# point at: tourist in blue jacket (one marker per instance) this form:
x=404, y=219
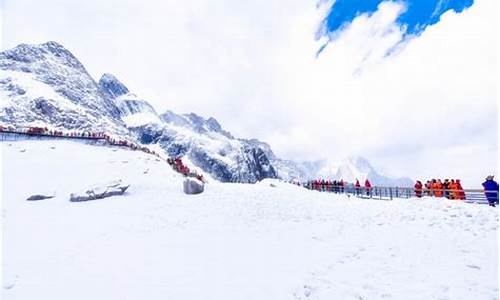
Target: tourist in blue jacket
x=491, y=190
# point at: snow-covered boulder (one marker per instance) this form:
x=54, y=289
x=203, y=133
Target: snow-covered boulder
x=102, y=191
x=193, y=186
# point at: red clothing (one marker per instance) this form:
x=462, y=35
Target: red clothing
x=418, y=189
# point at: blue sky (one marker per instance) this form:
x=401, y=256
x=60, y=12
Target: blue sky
x=417, y=15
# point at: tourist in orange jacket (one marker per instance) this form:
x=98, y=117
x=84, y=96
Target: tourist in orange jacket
x=453, y=189
x=438, y=188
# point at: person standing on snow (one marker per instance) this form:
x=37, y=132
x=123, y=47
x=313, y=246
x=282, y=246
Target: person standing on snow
x=446, y=187
x=418, y=189
x=433, y=186
x=438, y=192
x=453, y=189
x=368, y=187
x=491, y=190
x=357, y=186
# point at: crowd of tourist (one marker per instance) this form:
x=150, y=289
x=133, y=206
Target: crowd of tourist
x=450, y=189
x=338, y=186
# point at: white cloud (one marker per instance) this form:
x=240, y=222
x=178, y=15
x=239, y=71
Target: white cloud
x=252, y=65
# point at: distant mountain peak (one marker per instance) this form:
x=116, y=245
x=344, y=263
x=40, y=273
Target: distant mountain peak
x=358, y=162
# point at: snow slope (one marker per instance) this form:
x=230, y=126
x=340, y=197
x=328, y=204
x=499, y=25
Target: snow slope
x=234, y=241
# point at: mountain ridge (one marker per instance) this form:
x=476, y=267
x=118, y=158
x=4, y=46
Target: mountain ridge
x=47, y=84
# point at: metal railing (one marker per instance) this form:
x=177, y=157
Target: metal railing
x=389, y=193
x=6, y=136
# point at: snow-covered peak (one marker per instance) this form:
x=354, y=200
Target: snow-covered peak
x=25, y=55
x=112, y=86
x=213, y=124
x=133, y=110
x=196, y=123
x=47, y=84
x=357, y=162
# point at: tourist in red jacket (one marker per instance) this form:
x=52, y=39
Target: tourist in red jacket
x=357, y=186
x=368, y=187
x=418, y=189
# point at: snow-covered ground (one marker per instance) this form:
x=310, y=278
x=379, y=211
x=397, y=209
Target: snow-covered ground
x=233, y=241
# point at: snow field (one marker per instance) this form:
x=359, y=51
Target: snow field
x=234, y=241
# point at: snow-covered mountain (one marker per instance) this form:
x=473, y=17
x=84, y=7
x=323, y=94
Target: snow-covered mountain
x=208, y=146
x=349, y=169
x=46, y=85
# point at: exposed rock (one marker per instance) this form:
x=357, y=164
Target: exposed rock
x=99, y=192
x=39, y=197
x=193, y=186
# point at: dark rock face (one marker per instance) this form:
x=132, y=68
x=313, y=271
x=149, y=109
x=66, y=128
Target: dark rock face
x=44, y=106
x=112, y=86
x=259, y=163
x=209, y=148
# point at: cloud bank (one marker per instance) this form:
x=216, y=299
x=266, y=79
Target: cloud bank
x=412, y=21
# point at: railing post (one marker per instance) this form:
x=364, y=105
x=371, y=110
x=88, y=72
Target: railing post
x=390, y=192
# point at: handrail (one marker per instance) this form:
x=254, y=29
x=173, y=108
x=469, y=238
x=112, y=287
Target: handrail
x=389, y=193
